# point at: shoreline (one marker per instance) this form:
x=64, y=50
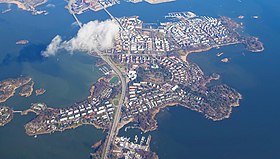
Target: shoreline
x=71, y=127
x=29, y=93
x=14, y=88
x=174, y=104
x=19, y=4
x=10, y=118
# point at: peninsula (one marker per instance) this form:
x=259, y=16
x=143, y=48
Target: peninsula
x=153, y=73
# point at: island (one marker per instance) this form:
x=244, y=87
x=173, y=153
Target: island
x=28, y=5
x=255, y=17
x=6, y=115
x=9, y=86
x=219, y=54
x=22, y=42
x=150, y=71
x=27, y=90
x=40, y=91
x=225, y=60
x=241, y=17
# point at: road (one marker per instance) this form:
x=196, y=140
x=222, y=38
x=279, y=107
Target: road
x=113, y=130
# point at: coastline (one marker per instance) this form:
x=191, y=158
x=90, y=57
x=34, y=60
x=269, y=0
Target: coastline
x=10, y=113
x=15, y=87
x=159, y=1
x=29, y=93
x=19, y=4
x=173, y=104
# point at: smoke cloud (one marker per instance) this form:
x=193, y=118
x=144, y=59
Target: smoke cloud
x=53, y=47
x=91, y=37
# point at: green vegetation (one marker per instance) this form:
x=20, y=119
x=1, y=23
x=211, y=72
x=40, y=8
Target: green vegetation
x=114, y=80
x=116, y=99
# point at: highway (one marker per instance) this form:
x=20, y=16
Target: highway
x=113, y=130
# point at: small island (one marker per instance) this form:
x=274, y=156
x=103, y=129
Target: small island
x=40, y=91
x=225, y=60
x=22, y=42
x=255, y=17
x=241, y=17
x=6, y=115
x=219, y=54
x=253, y=44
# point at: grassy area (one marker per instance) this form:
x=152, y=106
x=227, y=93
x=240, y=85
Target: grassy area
x=122, y=66
x=116, y=99
x=115, y=102
x=114, y=80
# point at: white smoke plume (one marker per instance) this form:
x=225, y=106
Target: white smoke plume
x=53, y=47
x=91, y=37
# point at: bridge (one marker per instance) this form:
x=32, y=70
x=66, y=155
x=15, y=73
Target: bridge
x=111, y=16
x=73, y=14
x=17, y=111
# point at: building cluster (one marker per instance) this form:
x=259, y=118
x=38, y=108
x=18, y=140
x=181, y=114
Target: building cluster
x=137, y=149
x=188, y=32
x=95, y=112
x=133, y=59
x=144, y=96
x=79, y=6
x=181, y=15
x=91, y=112
x=105, y=70
x=200, y=33
x=135, y=39
x=184, y=87
x=183, y=72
